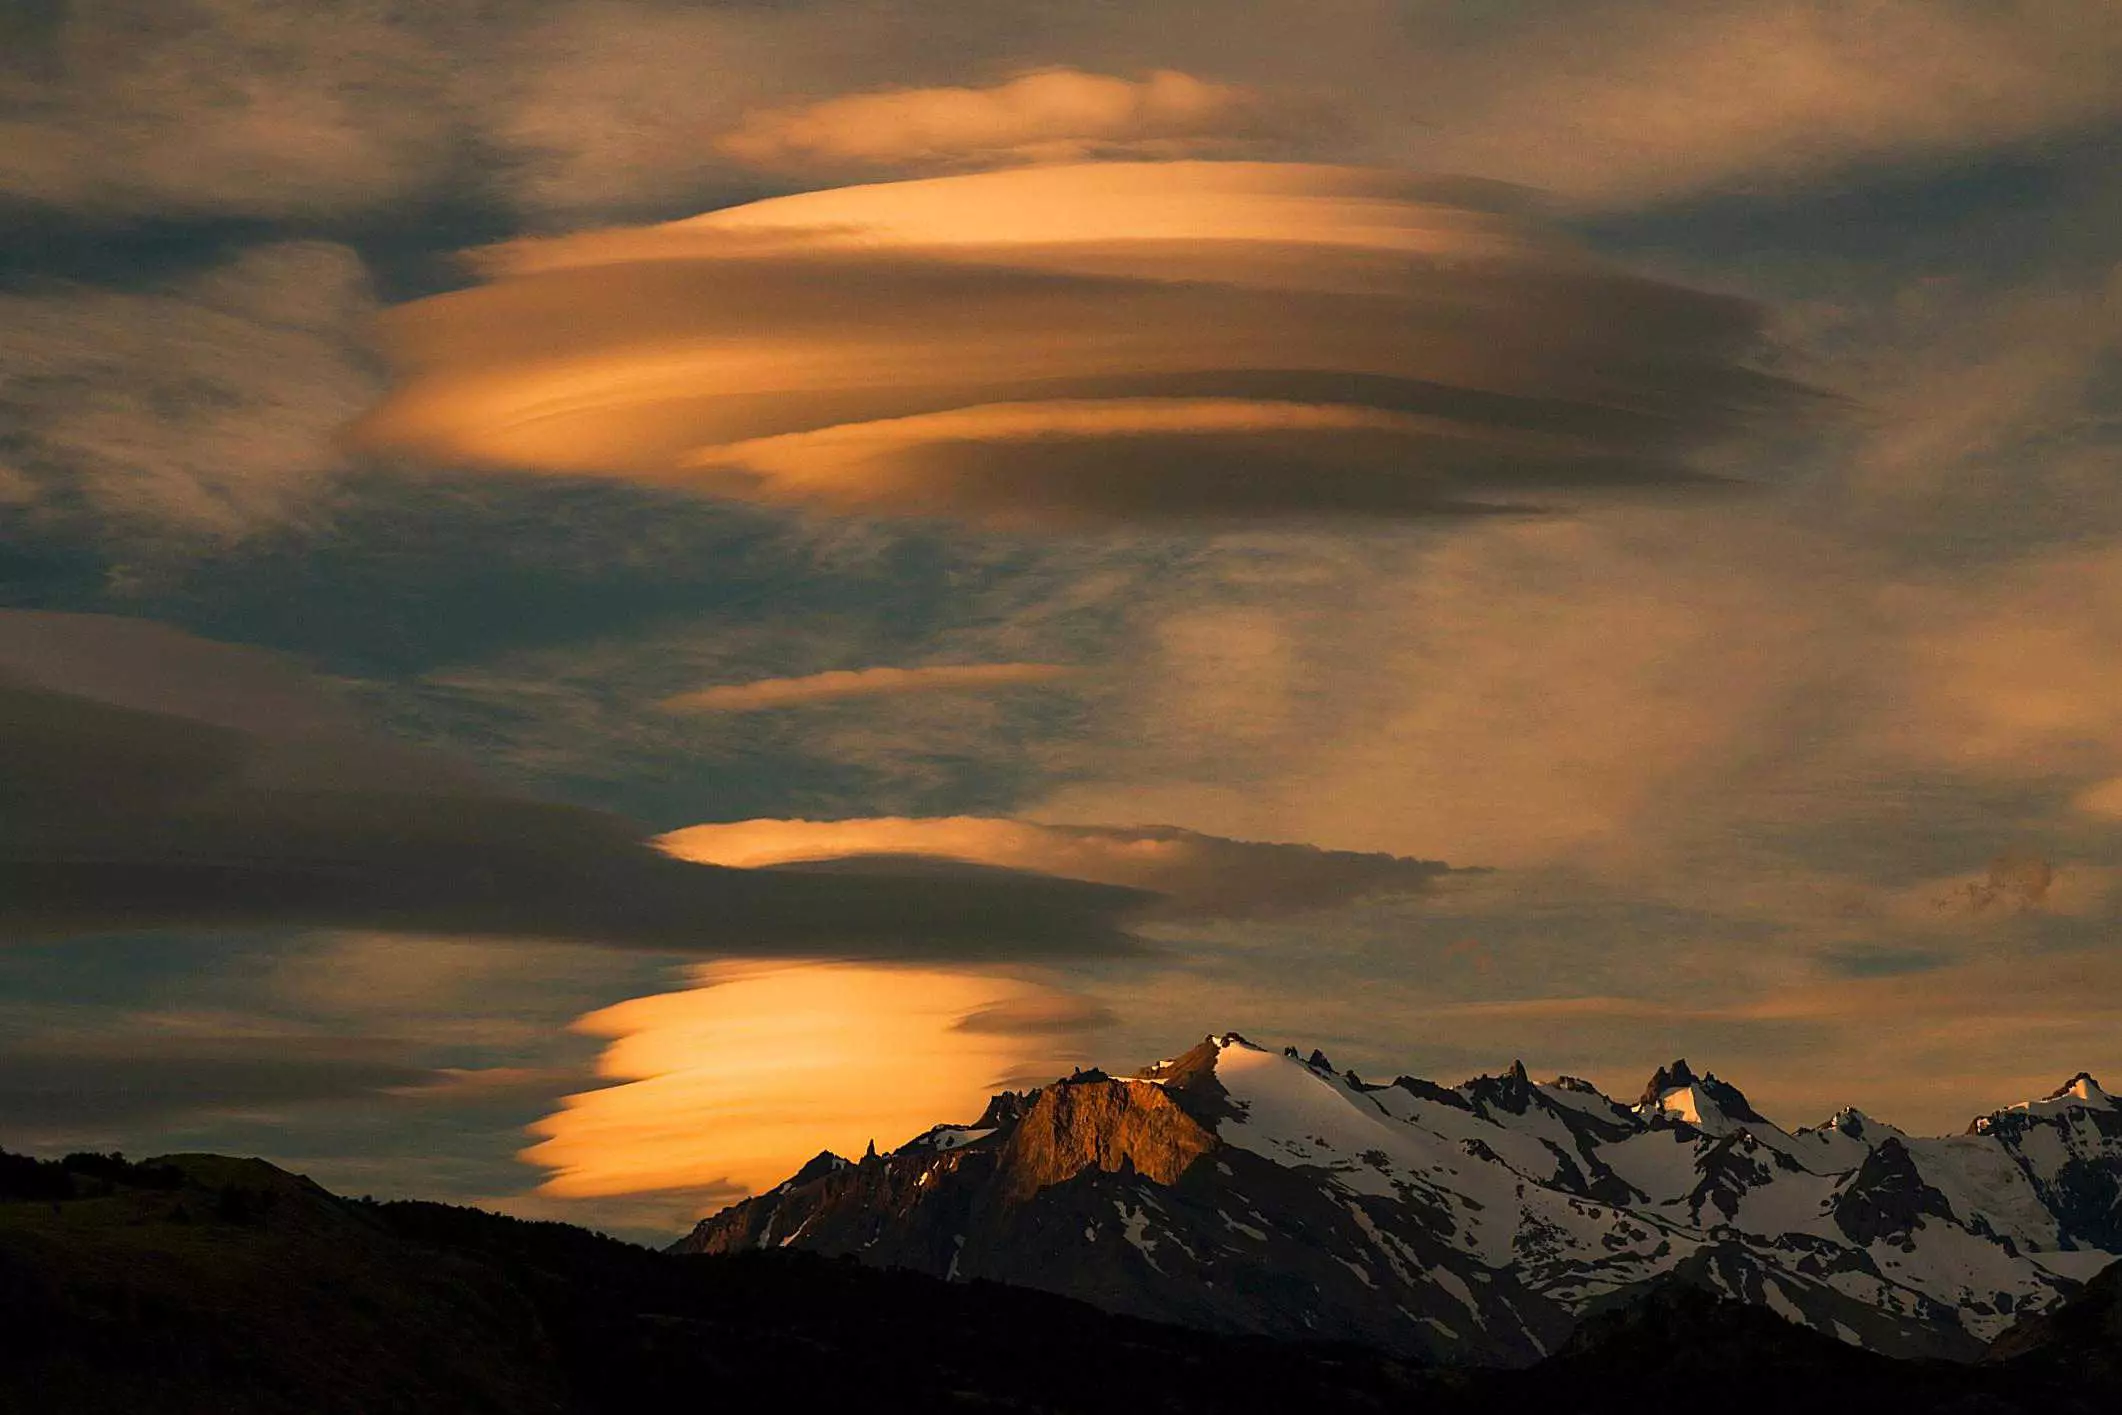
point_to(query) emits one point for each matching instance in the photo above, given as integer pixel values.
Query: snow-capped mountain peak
(1256, 1188)
(2080, 1093)
(1704, 1102)
(2079, 1090)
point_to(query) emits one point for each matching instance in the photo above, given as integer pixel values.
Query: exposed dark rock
(1886, 1197)
(1431, 1091)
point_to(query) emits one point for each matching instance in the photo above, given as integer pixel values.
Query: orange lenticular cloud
(1099, 342)
(737, 1082)
(862, 683)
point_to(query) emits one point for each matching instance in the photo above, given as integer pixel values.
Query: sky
(597, 596)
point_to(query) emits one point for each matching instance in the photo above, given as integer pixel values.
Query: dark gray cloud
(117, 818)
(87, 1085)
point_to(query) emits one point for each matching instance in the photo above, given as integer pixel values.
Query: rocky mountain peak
(2080, 1093)
(1849, 1121)
(1703, 1101)
(1511, 1093)
(1663, 1080)
(1004, 1109)
(825, 1162)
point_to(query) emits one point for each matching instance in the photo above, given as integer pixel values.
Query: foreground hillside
(199, 1283)
(1240, 1189)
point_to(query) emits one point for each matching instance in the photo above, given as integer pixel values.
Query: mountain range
(1239, 1189)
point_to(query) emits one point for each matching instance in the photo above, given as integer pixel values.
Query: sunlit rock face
(1243, 1189)
(1085, 343)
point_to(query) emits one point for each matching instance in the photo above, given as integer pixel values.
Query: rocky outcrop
(1887, 1197)
(1118, 1127)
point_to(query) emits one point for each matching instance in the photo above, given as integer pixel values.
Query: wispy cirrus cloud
(211, 404)
(840, 684)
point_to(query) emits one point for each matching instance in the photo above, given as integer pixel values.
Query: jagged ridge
(1242, 1189)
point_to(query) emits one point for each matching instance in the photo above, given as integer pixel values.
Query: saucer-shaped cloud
(1200, 876)
(1083, 343)
(737, 1082)
(861, 683)
(1053, 115)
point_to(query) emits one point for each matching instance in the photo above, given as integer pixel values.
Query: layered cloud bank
(862, 683)
(1098, 342)
(732, 1085)
(153, 780)
(1199, 876)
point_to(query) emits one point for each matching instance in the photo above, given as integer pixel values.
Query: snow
(1491, 1188)
(1789, 1203)
(1779, 1302)
(1454, 1284)
(1831, 1148)
(1290, 1113)
(1658, 1163)
(2074, 1264)
(1690, 1104)
(952, 1137)
(1136, 1225)
(1591, 1103)
(2077, 1093)
(1362, 1274)
(1981, 1178)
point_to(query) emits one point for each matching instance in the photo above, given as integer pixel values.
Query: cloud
(1087, 343)
(1627, 103)
(69, 1086)
(1049, 115)
(733, 1084)
(116, 818)
(862, 683)
(211, 404)
(1200, 876)
(460, 1085)
(277, 110)
(269, 108)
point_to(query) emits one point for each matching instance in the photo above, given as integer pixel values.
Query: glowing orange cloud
(861, 683)
(1088, 342)
(1048, 116)
(1199, 875)
(738, 1081)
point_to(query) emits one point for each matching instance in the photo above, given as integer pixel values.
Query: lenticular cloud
(1084, 343)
